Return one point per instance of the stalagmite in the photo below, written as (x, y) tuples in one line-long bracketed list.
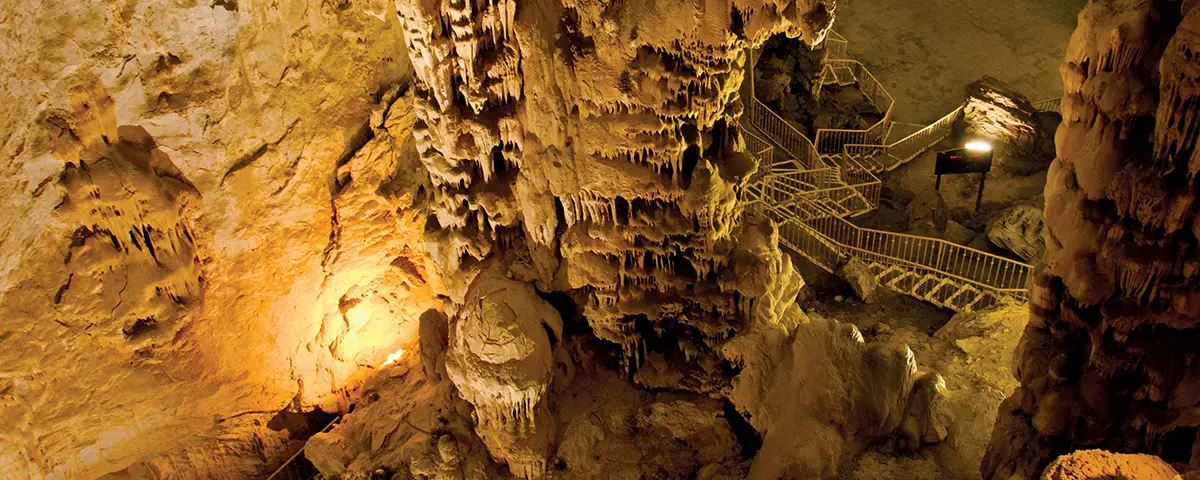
[(1105, 361)]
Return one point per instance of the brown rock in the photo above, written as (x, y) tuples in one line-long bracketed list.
[(1021, 230), (860, 278), (1116, 249)]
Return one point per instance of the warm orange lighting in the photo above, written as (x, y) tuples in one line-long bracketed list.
[(393, 357), (979, 146)]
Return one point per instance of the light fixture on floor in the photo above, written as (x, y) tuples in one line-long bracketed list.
[(979, 146), (974, 157)]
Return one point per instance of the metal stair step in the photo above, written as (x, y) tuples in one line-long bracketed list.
[(943, 292), (876, 269), (888, 275), (905, 282), (965, 296), (925, 286), (984, 301)]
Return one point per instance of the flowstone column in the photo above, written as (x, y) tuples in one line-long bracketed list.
[(593, 148), (1109, 357)]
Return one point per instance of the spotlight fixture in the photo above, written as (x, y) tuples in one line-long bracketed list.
[(973, 157), (978, 146)]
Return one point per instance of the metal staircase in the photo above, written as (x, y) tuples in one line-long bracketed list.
[(941, 291), (811, 188), (840, 76), (930, 269)]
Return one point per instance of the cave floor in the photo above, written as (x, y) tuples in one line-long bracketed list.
[(925, 51), (972, 352)]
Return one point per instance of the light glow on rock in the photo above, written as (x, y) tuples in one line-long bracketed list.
[(393, 357), (979, 146)]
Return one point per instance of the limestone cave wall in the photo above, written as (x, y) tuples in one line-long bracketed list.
[(208, 229)]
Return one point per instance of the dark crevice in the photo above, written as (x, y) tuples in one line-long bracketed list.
[(567, 308), (1176, 446), (737, 24), (63, 289), (300, 424), (747, 437)]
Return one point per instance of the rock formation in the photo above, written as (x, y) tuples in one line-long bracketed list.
[(787, 76), (1107, 359), (591, 152), (1021, 135), (208, 230), (220, 217), (502, 358), (994, 111), (860, 278), (1102, 464), (1021, 230)]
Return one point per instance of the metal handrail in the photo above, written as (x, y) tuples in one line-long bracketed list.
[(829, 141), (933, 255), (754, 143), (794, 143), (907, 148), (836, 45), (802, 200), (862, 182)]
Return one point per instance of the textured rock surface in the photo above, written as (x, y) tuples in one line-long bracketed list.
[(994, 111), (786, 75), (860, 278), (207, 221), (214, 229), (1106, 360), (502, 360), (1021, 136), (1085, 464), (593, 150), (1021, 230), (927, 214), (405, 419), (957, 233)]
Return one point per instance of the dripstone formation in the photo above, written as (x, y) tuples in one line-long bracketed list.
[(585, 159), (1108, 357)]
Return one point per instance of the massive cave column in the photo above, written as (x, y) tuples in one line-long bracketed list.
[(592, 147), (1109, 357), (591, 151)]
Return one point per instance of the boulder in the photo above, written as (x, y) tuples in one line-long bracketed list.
[(1020, 230), (1105, 464), (927, 213), (860, 278), (1023, 138), (982, 244), (928, 418), (994, 110), (501, 357), (957, 233)]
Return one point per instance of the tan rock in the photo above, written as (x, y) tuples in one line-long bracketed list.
[(1103, 464), (169, 264)]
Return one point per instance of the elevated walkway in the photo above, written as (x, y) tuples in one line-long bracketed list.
[(810, 189)]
